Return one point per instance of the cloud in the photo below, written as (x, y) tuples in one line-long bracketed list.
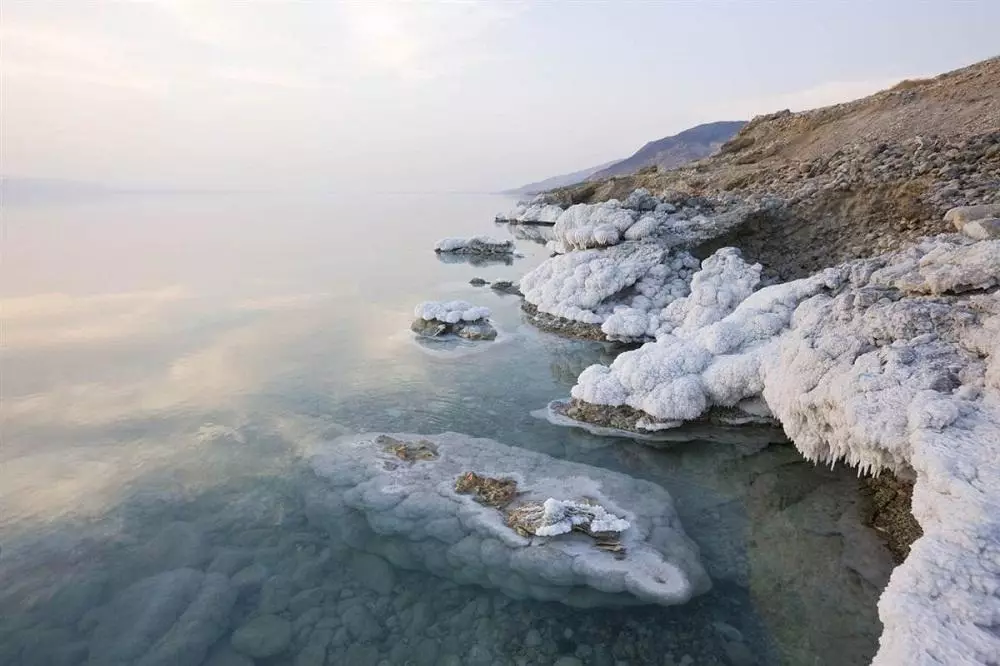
[(416, 42), (54, 320)]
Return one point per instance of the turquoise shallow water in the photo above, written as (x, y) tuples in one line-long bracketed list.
[(166, 356)]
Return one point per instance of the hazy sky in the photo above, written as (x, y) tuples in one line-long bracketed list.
[(432, 95)]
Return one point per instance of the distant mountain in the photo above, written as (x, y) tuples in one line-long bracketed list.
[(673, 151), (14, 189), (667, 153), (559, 181)]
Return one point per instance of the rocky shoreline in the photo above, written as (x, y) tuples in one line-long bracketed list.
[(851, 306)]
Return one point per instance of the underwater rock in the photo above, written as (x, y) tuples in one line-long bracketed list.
[(412, 513), (170, 618)]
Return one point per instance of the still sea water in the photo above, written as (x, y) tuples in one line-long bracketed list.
[(165, 356)]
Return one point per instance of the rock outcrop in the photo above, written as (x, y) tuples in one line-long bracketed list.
[(436, 319), (891, 363), (478, 245)]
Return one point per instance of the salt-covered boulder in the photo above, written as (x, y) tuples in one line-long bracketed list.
[(723, 282), (585, 226), (479, 512), (586, 286), (537, 211), (475, 245), (435, 319), (170, 618), (677, 379)]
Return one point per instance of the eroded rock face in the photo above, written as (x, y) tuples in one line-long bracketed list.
[(167, 619), (411, 514)]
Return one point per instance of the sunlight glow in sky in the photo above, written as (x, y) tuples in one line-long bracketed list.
[(372, 96)]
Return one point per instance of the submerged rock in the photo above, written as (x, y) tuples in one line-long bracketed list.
[(262, 637), (412, 515), (506, 287), (170, 618)]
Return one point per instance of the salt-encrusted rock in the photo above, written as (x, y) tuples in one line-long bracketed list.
[(962, 215), (723, 282), (397, 496), (677, 379), (436, 319), (474, 245), (170, 618), (536, 211), (888, 363), (585, 226), (586, 286)]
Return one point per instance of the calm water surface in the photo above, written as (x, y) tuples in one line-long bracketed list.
[(166, 356)]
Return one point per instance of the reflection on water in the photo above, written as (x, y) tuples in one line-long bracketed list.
[(480, 260), (167, 356)]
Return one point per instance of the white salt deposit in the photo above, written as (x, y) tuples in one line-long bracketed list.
[(409, 512), (450, 312), (587, 285), (475, 245), (889, 363)]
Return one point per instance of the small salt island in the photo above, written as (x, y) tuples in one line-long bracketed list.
[(478, 245), (437, 319)]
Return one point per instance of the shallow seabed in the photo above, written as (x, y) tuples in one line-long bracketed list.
[(166, 357)]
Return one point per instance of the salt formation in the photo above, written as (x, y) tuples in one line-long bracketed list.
[(886, 363), (474, 245), (586, 286), (678, 378), (436, 319), (408, 511), (537, 211), (563, 516), (723, 282), (599, 271)]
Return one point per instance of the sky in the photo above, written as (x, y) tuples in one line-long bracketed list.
[(429, 96)]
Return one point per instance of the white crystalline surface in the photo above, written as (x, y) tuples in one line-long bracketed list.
[(587, 285), (538, 212), (585, 226), (679, 378), (409, 513), (889, 363), (561, 516), (450, 312), (475, 245), (723, 282)]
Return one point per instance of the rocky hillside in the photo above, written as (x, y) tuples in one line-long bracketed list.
[(562, 180), (673, 151), (845, 181), (666, 153)]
